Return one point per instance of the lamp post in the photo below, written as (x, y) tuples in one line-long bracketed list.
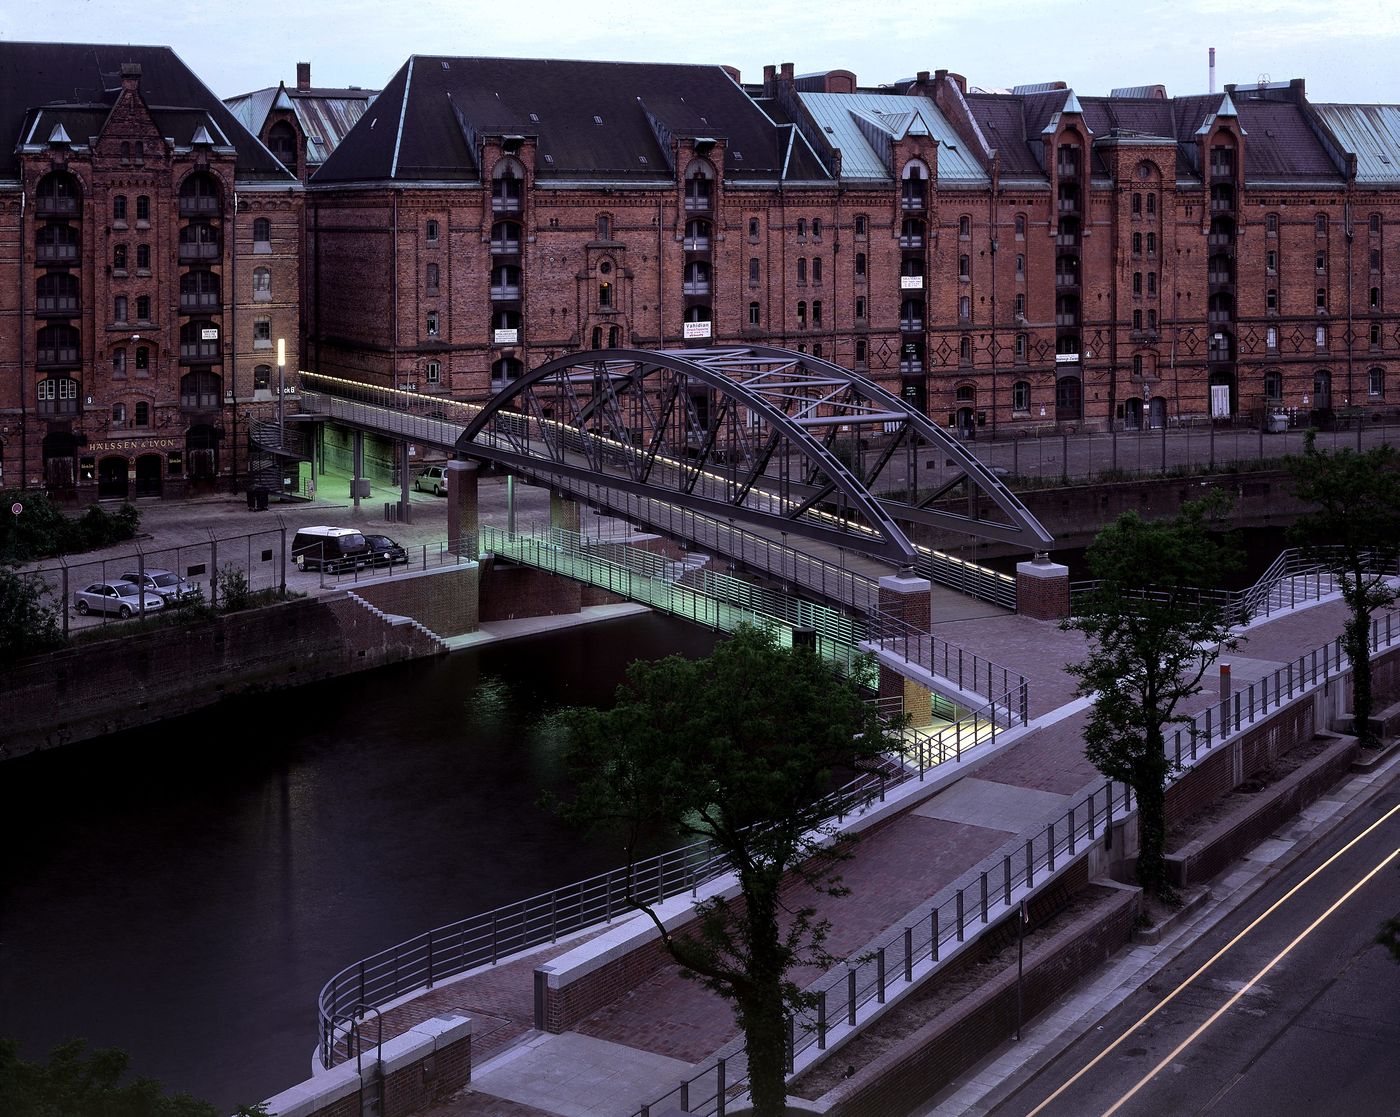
[(281, 392)]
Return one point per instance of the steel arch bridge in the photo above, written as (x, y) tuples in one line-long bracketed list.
[(752, 433)]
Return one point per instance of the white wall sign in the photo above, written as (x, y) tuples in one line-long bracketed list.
[(695, 330), (505, 337), (911, 282), (209, 333)]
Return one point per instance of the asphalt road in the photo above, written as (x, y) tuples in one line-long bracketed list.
[(1287, 1006)]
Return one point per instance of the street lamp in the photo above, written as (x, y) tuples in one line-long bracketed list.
[(281, 392)]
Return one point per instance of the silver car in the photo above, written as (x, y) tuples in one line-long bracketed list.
[(121, 598), (169, 586), (432, 480)]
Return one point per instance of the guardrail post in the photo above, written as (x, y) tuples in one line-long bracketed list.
[(685, 1097), (960, 915), (1071, 831), (791, 1044), (720, 1087), (1092, 825), (430, 959), (1236, 696), (1050, 847), (880, 975), (1030, 865), (851, 997), (1006, 880), (908, 954), (1108, 811), (984, 897), (933, 935), (493, 938), (821, 1020)]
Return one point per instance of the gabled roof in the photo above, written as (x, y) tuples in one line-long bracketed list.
[(76, 84), (849, 121), (1369, 132), (592, 121), (326, 115)]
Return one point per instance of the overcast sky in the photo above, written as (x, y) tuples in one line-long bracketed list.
[(1344, 48)]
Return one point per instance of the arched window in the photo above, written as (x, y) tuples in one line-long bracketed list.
[(697, 278), (1375, 383), (200, 390), (57, 293), (505, 237), (860, 351), (1021, 232), (282, 142), (911, 233), (816, 228), (431, 279), (431, 231), (119, 209), (911, 316), (262, 284), (697, 235), (964, 227), (699, 186), (262, 377), (816, 269), (1021, 395), (199, 241), (597, 337), (753, 271), (801, 226), (199, 290), (1067, 399), (507, 186), (57, 244), (505, 282), (58, 345), (1322, 389), (1273, 387), (58, 195), (505, 371), (913, 186)]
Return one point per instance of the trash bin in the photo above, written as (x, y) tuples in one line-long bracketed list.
[(262, 499), (1277, 422), (252, 500)]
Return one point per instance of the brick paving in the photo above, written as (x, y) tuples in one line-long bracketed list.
[(910, 858)]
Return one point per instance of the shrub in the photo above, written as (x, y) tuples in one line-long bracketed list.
[(42, 530)]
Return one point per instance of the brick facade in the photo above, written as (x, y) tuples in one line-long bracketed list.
[(137, 306), (1093, 277)]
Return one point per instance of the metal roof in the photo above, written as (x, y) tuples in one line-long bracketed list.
[(839, 116), (325, 115), (1371, 133)]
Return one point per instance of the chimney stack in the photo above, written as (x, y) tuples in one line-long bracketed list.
[(131, 75), (787, 72), (303, 75), (1212, 69)]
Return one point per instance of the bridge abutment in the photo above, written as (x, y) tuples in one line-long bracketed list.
[(1042, 589), (564, 512)]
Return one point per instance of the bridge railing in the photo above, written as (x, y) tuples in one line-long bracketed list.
[(847, 997), (425, 960)]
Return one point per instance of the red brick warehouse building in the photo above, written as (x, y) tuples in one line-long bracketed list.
[(148, 261), (1019, 261)]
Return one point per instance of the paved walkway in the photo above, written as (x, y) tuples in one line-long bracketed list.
[(658, 1032)]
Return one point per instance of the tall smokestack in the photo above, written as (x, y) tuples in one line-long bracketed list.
[(1212, 69)]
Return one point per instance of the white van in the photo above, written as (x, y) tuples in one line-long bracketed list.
[(330, 548), (432, 480)]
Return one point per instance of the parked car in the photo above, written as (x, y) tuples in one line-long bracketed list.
[(432, 480), (172, 589), (383, 551), (121, 598), (329, 548)]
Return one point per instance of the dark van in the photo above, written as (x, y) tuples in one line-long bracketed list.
[(330, 548)]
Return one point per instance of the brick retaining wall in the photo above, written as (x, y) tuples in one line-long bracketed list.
[(914, 1070), (93, 689), (444, 600)]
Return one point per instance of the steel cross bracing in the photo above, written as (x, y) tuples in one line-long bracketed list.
[(753, 433)]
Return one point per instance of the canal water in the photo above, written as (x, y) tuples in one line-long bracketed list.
[(183, 891)]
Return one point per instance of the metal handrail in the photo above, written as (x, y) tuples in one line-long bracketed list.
[(1003, 881), (480, 940)]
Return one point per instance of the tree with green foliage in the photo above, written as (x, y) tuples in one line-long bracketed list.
[(42, 530), (738, 749), (1353, 531), (28, 623), (1389, 936), (74, 1083), (1153, 634)]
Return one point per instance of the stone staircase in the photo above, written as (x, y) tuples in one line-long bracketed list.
[(395, 619)]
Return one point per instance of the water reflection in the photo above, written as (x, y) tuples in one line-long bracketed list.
[(183, 891)]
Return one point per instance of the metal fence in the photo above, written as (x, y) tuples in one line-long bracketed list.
[(481, 940), (848, 997), (260, 557), (1049, 456)]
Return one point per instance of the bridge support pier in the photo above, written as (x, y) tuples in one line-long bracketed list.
[(563, 512), (907, 598), (462, 509), (358, 468), (1042, 589)]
